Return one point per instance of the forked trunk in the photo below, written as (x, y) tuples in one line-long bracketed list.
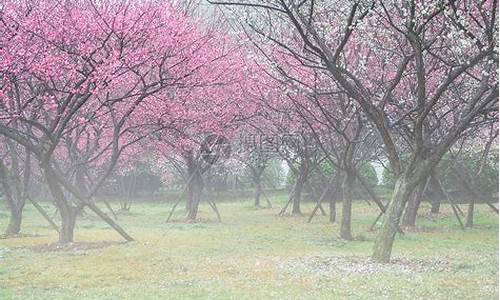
[(403, 190), (66, 210)]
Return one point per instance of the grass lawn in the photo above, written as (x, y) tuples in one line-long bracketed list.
[(252, 254)]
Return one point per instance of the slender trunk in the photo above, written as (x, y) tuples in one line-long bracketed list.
[(333, 210), (470, 215), (333, 200), (297, 190), (410, 216), (296, 197), (345, 226), (14, 200), (258, 191)]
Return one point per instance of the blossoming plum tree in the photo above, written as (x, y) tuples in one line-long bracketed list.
[(406, 64), (84, 73)]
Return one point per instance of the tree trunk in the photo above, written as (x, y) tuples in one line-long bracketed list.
[(333, 199), (296, 196), (435, 206), (16, 216), (345, 226), (194, 203), (195, 187), (258, 191), (14, 199), (434, 191), (383, 243), (68, 220), (333, 210), (66, 210), (297, 190), (470, 215), (410, 216)]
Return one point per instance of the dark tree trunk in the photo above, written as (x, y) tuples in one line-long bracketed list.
[(345, 226), (410, 216), (14, 197), (66, 210), (258, 192), (296, 197), (470, 215), (334, 195), (194, 188), (194, 197), (257, 172), (68, 220), (435, 206), (296, 192), (16, 216), (333, 209), (435, 194)]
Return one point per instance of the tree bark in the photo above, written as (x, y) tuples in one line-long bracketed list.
[(410, 216), (435, 206), (333, 209), (258, 192), (385, 238), (194, 188), (470, 215), (194, 196), (297, 190), (403, 190), (68, 220), (16, 216), (66, 210), (296, 196), (14, 199), (333, 199), (345, 226), (434, 193)]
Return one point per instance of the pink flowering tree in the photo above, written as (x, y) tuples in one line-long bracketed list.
[(66, 66), (405, 63), (203, 114), (334, 122)]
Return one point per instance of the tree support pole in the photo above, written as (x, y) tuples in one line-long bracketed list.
[(44, 214)]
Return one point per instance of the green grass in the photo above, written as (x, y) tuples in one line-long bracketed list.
[(252, 254)]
